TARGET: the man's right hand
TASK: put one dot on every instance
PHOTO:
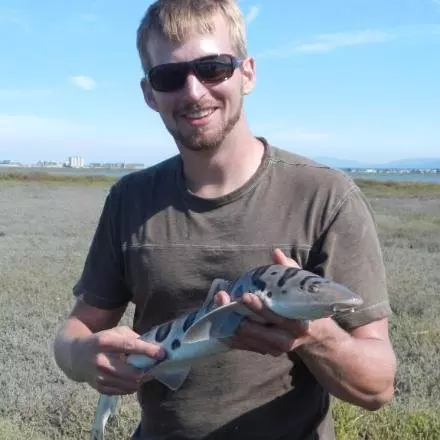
(101, 359)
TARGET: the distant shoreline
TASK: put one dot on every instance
(115, 173)
(380, 188)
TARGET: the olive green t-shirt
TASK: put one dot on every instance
(160, 246)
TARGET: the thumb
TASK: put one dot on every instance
(279, 257)
(222, 298)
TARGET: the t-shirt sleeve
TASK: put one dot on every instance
(349, 253)
(102, 280)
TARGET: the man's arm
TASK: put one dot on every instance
(357, 366)
(90, 348)
(84, 320)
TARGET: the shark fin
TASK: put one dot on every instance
(173, 378)
(217, 285)
(142, 362)
(217, 324)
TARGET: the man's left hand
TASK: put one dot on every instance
(279, 335)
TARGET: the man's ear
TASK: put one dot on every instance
(249, 75)
(148, 94)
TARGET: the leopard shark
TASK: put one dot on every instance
(292, 293)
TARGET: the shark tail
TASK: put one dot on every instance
(107, 406)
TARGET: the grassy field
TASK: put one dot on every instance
(46, 225)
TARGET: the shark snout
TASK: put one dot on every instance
(341, 298)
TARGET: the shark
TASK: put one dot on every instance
(292, 293)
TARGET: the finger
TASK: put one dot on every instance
(222, 298)
(280, 258)
(117, 367)
(272, 338)
(120, 343)
(295, 327)
(256, 305)
(119, 386)
(251, 344)
(126, 331)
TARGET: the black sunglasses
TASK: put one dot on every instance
(211, 69)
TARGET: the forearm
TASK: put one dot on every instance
(66, 348)
(359, 371)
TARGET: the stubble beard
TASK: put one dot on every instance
(201, 142)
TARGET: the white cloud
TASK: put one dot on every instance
(324, 43)
(329, 42)
(252, 14)
(83, 82)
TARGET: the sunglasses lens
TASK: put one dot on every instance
(214, 70)
(168, 77)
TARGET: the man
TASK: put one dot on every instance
(228, 202)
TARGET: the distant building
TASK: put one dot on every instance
(47, 164)
(116, 165)
(75, 162)
(134, 166)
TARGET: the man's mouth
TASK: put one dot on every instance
(198, 114)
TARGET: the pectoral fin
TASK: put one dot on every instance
(142, 362)
(173, 378)
(220, 323)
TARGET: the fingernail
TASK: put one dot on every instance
(247, 297)
(161, 354)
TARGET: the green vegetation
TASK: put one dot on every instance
(372, 188)
(45, 177)
(375, 188)
(45, 231)
(396, 422)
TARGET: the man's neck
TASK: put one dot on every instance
(217, 173)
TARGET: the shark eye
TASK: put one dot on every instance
(269, 294)
(313, 288)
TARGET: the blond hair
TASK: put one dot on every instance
(178, 20)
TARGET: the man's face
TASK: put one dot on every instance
(199, 116)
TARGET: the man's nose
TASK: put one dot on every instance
(194, 88)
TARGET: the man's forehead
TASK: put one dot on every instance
(162, 50)
(196, 47)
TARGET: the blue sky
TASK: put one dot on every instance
(353, 79)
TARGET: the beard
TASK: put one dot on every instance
(202, 141)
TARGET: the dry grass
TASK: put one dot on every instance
(45, 230)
